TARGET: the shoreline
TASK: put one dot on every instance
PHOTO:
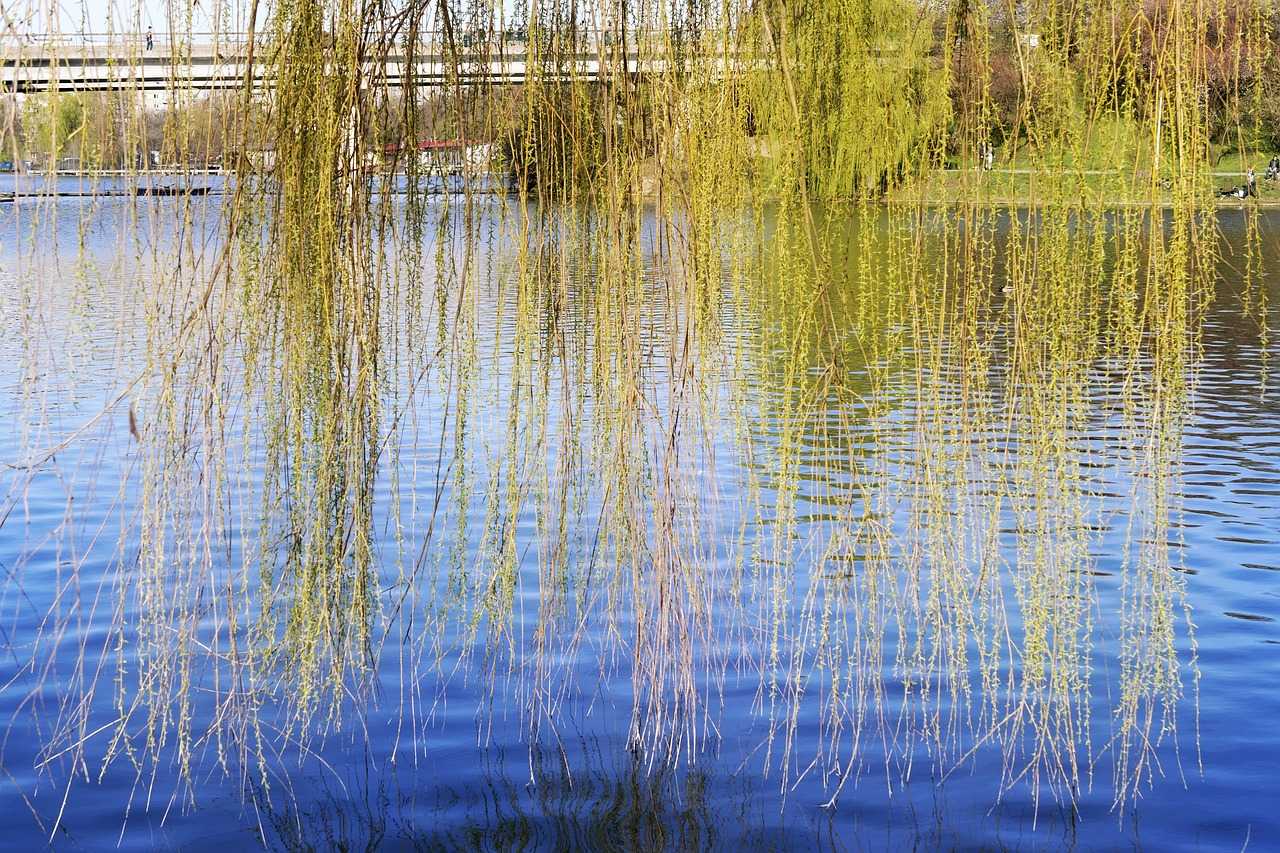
(1119, 204)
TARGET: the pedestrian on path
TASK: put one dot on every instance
(151, 39)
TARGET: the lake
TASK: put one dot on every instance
(973, 544)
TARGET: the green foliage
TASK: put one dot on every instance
(10, 129)
(855, 94)
(52, 123)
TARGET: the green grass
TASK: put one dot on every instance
(1106, 161)
(1107, 165)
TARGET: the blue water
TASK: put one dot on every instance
(440, 755)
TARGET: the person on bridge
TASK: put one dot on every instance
(151, 39)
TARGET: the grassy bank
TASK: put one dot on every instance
(1029, 186)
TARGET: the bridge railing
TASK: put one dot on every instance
(218, 60)
(160, 40)
(163, 42)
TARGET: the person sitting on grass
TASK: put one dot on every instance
(1249, 189)
(1273, 168)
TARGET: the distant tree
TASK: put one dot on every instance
(1005, 91)
(108, 139)
(1261, 110)
(10, 129)
(204, 128)
(52, 124)
(1237, 45)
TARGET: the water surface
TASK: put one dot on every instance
(516, 699)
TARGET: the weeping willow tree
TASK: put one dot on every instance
(682, 172)
(320, 309)
(854, 92)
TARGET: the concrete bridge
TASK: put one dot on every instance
(210, 62)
